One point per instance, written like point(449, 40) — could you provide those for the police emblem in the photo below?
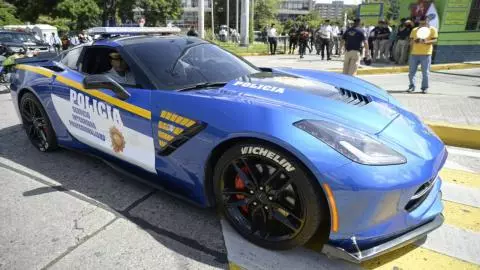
point(118, 141)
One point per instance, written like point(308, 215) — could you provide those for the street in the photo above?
point(66, 210)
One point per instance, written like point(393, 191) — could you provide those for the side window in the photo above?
point(70, 58)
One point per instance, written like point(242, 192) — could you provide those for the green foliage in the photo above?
point(62, 24)
point(265, 13)
point(158, 11)
point(7, 14)
point(30, 10)
point(84, 13)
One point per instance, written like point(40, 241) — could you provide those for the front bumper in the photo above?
point(396, 243)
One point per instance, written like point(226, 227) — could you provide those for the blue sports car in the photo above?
point(288, 155)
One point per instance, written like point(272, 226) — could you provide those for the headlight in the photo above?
point(353, 144)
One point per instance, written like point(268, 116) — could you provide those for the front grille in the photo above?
point(421, 194)
point(42, 49)
point(353, 98)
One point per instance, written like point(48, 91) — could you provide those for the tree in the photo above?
point(62, 24)
point(30, 10)
point(7, 12)
point(265, 13)
point(158, 11)
point(84, 13)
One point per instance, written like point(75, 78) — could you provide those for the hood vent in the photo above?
point(352, 98)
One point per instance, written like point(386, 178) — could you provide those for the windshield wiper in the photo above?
point(202, 85)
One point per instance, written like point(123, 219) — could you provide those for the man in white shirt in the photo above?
point(55, 42)
point(325, 37)
point(335, 40)
point(272, 38)
point(120, 71)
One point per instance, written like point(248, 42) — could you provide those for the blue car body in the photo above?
point(370, 201)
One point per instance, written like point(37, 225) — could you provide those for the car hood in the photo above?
point(313, 98)
point(21, 44)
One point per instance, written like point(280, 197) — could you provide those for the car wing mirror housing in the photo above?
point(104, 81)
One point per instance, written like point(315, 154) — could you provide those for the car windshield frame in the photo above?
point(15, 37)
point(129, 49)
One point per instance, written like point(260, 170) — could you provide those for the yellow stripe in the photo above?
point(163, 114)
point(162, 143)
point(100, 95)
point(461, 177)
point(177, 131)
point(190, 123)
point(179, 119)
point(184, 121)
point(39, 70)
point(234, 266)
point(413, 257)
point(165, 136)
point(174, 116)
point(462, 216)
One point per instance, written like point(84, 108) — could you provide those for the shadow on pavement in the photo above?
point(188, 230)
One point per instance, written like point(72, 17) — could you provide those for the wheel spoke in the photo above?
point(259, 221)
point(272, 177)
point(251, 172)
point(283, 187)
point(238, 203)
point(31, 108)
point(235, 192)
point(284, 220)
point(243, 175)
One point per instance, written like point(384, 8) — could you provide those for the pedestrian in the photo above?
point(325, 35)
point(354, 38)
point(421, 52)
point(371, 39)
point(65, 42)
point(403, 42)
point(302, 40)
point(293, 39)
point(55, 42)
point(264, 35)
point(391, 42)
point(272, 39)
point(335, 39)
point(380, 43)
point(192, 32)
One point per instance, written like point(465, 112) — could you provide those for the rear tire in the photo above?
point(268, 197)
point(36, 123)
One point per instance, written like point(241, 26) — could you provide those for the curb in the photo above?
point(457, 135)
point(404, 69)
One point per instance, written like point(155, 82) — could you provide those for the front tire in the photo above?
point(36, 123)
point(267, 196)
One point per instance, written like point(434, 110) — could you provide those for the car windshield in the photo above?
point(176, 65)
point(17, 37)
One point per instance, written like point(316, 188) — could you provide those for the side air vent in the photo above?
point(353, 98)
point(420, 195)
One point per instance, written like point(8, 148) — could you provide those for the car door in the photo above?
point(117, 127)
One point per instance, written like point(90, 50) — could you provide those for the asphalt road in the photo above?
point(66, 210)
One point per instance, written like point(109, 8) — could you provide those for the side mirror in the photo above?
point(103, 81)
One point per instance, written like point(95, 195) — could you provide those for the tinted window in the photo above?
point(17, 37)
point(70, 58)
point(175, 66)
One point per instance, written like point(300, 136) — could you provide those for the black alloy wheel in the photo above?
point(36, 123)
point(265, 200)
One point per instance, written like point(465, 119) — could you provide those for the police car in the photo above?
point(286, 154)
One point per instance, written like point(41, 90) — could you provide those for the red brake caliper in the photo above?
point(240, 185)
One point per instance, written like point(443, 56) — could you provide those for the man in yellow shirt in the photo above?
point(421, 54)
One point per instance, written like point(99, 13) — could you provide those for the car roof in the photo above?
point(132, 40)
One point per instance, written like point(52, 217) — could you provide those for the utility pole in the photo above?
point(237, 6)
point(213, 24)
point(245, 23)
point(228, 15)
point(201, 18)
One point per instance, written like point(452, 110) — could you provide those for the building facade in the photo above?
point(290, 9)
point(190, 13)
point(333, 11)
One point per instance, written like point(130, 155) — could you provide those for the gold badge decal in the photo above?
point(118, 141)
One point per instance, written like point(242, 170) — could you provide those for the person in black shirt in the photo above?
point(354, 38)
point(303, 37)
point(192, 32)
point(293, 39)
point(403, 40)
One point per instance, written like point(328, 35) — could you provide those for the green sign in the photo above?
point(371, 9)
point(458, 4)
point(455, 18)
point(369, 21)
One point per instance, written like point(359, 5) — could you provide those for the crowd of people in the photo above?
point(382, 43)
point(66, 41)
